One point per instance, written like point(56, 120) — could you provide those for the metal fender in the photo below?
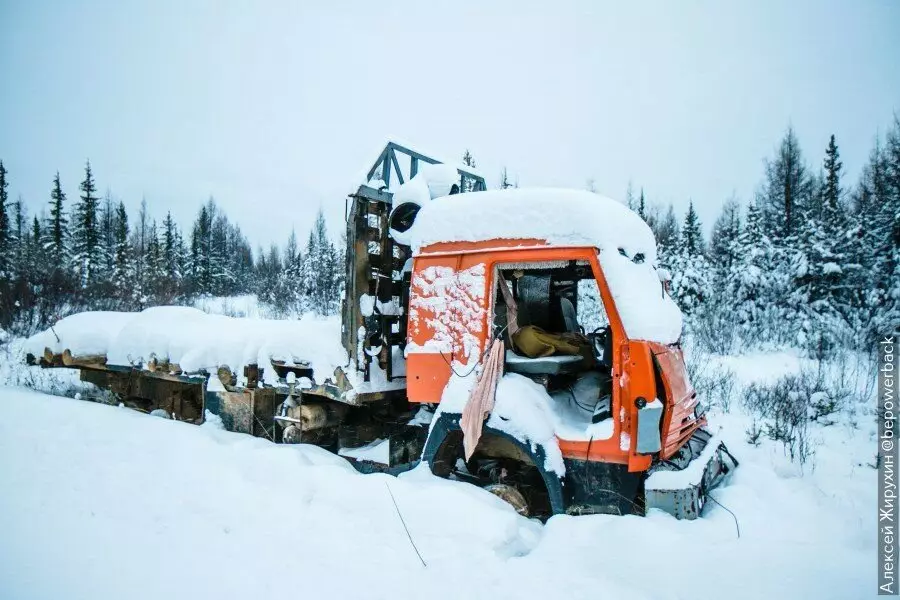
point(446, 424)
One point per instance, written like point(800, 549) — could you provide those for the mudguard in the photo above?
point(682, 488)
point(444, 429)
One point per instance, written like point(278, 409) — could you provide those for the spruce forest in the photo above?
point(809, 261)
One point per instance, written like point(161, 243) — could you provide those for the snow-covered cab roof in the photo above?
point(562, 217)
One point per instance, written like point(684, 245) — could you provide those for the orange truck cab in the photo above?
point(615, 427)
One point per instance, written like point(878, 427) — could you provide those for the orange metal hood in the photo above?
point(679, 420)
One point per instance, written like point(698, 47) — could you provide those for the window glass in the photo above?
point(591, 314)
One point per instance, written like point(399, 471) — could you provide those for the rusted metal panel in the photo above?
point(245, 410)
point(182, 400)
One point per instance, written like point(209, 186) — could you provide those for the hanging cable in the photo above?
point(394, 500)
point(733, 516)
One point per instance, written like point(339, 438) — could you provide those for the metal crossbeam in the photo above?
point(388, 159)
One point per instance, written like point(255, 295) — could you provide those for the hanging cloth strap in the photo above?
point(481, 399)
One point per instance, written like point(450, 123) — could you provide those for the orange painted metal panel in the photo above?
point(427, 375)
point(443, 283)
point(681, 399)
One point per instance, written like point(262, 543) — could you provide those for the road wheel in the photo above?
point(511, 496)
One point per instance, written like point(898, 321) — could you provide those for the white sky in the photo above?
point(273, 108)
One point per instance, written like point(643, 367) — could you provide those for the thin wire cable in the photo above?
point(733, 516)
point(487, 349)
point(394, 500)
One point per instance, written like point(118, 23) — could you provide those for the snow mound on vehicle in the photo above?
point(561, 217)
point(558, 216)
point(521, 409)
point(195, 340)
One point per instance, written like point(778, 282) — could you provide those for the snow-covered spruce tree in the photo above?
point(312, 263)
point(169, 265)
point(268, 271)
point(85, 232)
point(667, 233)
point(35, 275)
point(140, 238)
point(890, 220)
point(200, 267)
point(57, 226)
point(105, 281)
point(713, 323)
point(17, 238)
point(690, 268)
point(288, 278)
point(59, 285)
point(642, 206)
point(221, 261)
point(629, 196)
point(321, 270)
point(784, 198)
point(817, 261)
point(183, 258)
point(154, 270)
point(123, 267)
point(22, 304)
point(36, 255)
point(240, 260)
point(877, 207)
point(221, 276)
point(4, 224)
point(108, 234)
point(820, 257)
point(750, 285)
point(785, 189)
point(723, 249)
point(32, 263)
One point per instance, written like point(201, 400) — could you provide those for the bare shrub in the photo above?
point(712, 327)
point(783, 409)
point(754, 433)
point(57, 382)
point(835, 386)
point(714, 383)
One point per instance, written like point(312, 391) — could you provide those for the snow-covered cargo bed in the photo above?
point(198, 342)
point(194, 340)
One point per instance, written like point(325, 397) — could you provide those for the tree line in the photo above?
point(810, 261)
point(90, 254)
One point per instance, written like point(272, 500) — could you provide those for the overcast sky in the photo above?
point(273, 108)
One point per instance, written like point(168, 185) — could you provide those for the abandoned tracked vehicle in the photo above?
point(590, 408)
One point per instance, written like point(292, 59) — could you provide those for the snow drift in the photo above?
point(100, 502)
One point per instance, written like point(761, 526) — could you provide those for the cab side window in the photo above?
point(590, 314)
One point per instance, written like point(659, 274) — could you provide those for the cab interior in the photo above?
point(556, 331)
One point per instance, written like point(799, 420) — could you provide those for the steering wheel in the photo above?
point(598, 344)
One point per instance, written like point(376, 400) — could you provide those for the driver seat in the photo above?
point(569, 314)
point(517, 363)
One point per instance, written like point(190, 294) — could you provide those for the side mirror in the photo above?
point(665, 279)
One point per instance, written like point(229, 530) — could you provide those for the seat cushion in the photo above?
point(547, 365)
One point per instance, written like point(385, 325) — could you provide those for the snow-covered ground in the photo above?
point(103, 502)
point(247, 305)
